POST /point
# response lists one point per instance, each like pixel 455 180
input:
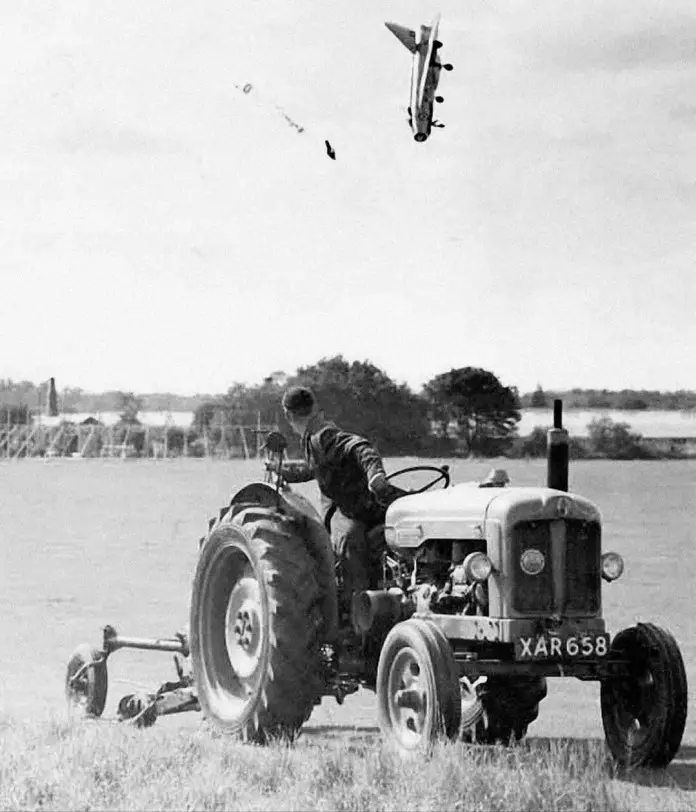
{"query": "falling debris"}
pixel 299 128
pixel 292 123
pixel 248 87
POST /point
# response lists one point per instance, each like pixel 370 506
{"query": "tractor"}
pixel 483 591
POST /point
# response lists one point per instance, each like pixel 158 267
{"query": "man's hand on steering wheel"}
pixel 383 491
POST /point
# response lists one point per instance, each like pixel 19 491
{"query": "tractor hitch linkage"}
pixel 113 641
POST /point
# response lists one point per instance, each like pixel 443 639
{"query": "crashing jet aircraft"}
pixel 425 74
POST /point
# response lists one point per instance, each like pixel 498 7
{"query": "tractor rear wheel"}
pixel 510 705
pixel 644 709
pixel 254 625
pixel 417 687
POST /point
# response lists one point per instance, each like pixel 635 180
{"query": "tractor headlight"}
pixel 477 567
pixel 532 561
pixel 612 566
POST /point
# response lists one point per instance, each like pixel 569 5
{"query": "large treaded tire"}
pixel 254 624
pixel 417 687
pixel 644 711
pixel 320 549
pixel 510 705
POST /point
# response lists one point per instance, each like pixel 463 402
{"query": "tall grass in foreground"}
pixel 56 765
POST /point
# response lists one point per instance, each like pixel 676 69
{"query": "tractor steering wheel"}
pixel 442 474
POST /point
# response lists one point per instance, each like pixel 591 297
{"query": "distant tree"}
pixel 128 406
pixel 579 448
pixel 362 398
pixel 248 405
pixel 14 415
pixel 483 410
pixel 19 393
pixel 137 439
pixel 204 414
pixel 240 400
pixel 538 399
pixel 177 439
pixel 599 400
pixel 71 397
pixel 684 400
pixel 534 445
pixel 614 440
pixel 630 401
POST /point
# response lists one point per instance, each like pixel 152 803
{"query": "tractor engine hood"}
pixel 461 512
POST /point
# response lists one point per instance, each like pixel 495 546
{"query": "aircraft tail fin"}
pixel 405 35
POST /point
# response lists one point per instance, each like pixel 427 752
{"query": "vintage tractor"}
pixel 484 591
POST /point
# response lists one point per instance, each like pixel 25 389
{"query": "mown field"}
pixel 89 542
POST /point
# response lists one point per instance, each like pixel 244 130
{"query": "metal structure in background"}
pixel 154 434
pixel 89 440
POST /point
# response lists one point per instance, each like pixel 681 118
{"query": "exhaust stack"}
pixel 557 448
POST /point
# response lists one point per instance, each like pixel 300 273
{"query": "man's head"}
pixel 299 405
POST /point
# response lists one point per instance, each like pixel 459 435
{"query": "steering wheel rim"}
pixel 443 473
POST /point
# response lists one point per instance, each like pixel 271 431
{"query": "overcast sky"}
pixel 162 230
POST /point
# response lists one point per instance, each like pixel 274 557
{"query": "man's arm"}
pixel 336 444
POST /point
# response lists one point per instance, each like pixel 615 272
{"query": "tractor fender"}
pixel 315 535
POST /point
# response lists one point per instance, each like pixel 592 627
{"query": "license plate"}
pixel 562 647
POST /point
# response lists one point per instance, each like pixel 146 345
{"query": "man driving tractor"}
pixel 354 488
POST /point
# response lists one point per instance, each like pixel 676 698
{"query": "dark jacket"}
pixel 342 463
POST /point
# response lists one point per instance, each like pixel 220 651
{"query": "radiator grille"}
pixel 583 567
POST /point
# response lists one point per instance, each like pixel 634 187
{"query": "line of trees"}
pixel 71 399
pixel 625 399
pixel 606 439
pixel 466 411
pixel 32 396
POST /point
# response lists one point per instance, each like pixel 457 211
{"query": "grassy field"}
pixel 96 766
pixel 89 542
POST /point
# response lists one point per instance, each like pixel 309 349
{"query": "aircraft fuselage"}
pixel 425 76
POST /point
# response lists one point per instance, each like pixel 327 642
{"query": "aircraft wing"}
pixel 405 35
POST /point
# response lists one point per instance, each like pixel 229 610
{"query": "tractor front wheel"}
pixel 255 627
pixel 417 688
pixel 644 708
